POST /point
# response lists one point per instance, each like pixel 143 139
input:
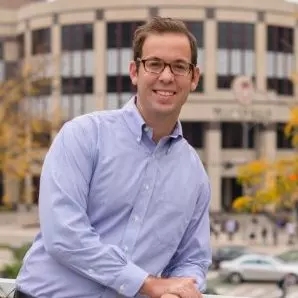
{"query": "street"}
pixel 248 289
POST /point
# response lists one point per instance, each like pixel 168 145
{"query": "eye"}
pixel 154 63
pixel 181 66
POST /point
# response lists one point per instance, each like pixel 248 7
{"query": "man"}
pixel 123 197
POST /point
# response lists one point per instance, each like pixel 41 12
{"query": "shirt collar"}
pixel 137 124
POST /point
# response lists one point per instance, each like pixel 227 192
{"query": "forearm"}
pixel 199 272
pixel 102 263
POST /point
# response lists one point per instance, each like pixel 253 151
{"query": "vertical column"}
pixel 11 183
pixel 28 187
pixel 210 42
pixel 100 55
pixel 268 142
pixel 56 108
pixel 153 12
pixel 258 141
pixel 261 53
pixel 212 156
pixel 268 149
pixel 295 70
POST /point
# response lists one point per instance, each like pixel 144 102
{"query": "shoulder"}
pixel 86 130
pixel 90 124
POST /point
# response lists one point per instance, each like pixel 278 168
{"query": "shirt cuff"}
pixel 130 280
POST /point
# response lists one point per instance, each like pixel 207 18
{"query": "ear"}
pixel 195 79
pixel 133 73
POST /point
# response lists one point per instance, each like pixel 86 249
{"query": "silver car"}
pixel 258 267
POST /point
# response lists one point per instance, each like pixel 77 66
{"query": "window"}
pixel 41 41
pixel 119 54
pixel 36 184
pixel 123 83
pixel 282 141
pixel 250 262
pixel 77 37
pixel 233 138
pixel 193 132
pixel 280 59
pixel 43 139
pixel 1 51
pixel 1 188
pixel 82 85
pixel 230 189
pixel 21 46
pixel 236 52
pixel 120 35
pixel 197 29
pixel 235 36
pixel 42 87
pixel 11 69
pixel 280 39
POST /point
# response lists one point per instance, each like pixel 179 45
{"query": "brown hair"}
pixel 159 25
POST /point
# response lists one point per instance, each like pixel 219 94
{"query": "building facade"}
pixel 89 46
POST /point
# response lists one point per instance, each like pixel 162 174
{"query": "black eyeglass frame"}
pixel 143 61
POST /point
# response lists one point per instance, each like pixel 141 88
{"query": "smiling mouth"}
pixel 164 93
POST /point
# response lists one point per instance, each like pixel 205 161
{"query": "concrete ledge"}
pixel 7 287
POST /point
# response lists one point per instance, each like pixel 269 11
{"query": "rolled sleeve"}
pixel 129 282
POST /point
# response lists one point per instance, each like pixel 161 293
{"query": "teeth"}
pixel 165 93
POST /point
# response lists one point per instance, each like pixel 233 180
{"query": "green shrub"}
pixel 12 270
pixel 19 252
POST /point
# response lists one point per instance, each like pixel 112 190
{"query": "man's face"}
pixel 165 93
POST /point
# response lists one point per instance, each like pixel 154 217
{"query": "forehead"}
pixel 167 46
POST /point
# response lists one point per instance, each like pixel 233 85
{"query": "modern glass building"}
pixel 89 46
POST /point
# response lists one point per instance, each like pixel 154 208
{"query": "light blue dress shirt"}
pixel 115 207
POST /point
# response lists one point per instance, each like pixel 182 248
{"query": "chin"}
pixel 165 109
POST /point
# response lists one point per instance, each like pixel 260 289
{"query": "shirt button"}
pixel 146 186
pixel 135 218
pixel 138 139
pixel 122 288
pixel 146 129
pixel 125 248
pixel 91 271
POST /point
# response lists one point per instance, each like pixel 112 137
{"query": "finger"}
pixel 168 295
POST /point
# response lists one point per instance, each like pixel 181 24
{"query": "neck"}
pixel 161 125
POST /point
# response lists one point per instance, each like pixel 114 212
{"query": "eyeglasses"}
pixel 157 66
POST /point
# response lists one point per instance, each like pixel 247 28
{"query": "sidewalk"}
pixel 257 246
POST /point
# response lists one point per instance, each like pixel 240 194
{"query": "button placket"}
pixel 139 210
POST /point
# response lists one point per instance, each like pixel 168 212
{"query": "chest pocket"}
pixel 173 216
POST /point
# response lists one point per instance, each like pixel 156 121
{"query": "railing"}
pixel 7 287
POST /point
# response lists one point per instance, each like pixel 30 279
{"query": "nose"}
pixel 167 75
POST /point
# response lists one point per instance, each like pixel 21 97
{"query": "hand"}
pixel 185 290
pixel 183 287
pixel 167 295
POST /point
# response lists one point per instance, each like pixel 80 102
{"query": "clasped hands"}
pixel 174 287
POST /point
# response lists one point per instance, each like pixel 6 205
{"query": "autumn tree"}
pixel 271 184
pixel 18 124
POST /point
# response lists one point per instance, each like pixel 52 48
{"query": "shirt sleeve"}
pixel 65 227
pixel 193 256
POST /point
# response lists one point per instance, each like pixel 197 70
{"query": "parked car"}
pixel 289 256
pixel 227 253
pixel 258 267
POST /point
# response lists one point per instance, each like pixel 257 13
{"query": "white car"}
pixel 258 267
